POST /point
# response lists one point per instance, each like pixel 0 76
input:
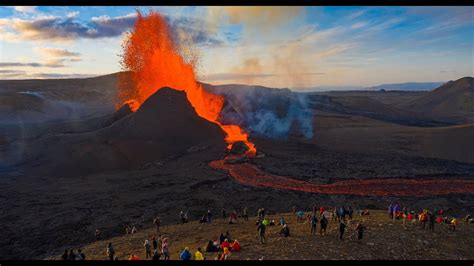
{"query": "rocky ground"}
pixel 383 239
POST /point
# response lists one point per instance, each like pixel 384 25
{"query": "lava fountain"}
pixel 154 61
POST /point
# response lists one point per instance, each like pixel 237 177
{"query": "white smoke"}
pixel 266 112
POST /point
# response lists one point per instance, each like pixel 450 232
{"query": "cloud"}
pixel 18 74
pixel 254 17
pixel 63 29
pixel 56 56
pixel 62 76
pixel 358 25
pixel 25 9
pixel 56 52
pixel 69 28
pixel 20 64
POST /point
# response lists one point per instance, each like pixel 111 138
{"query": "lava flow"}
pixel 152 58
pixel 248 174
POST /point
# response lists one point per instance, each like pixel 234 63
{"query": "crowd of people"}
pixel 426 216
pixel 157 248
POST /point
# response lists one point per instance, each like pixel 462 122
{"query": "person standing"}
pixel 360 231
pixel 165 250
pixel 261 230
pixel 350 211
pixel 110 251
pixel 81 255
pixel 147 249
pixel 246 214
pixel 72 255
pixel 432 221
pixel 324 224
pixel 155 244
pixel 209 216
pixel 65 255
pixel 223 213
pixel 157 223
pixel 390 211
pixel 342 228
pixel 98 234
pixel 313 222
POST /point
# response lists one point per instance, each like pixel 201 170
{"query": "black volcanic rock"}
pixel 239 148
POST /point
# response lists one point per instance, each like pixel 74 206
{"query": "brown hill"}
pixel 453 100
pixel 165 125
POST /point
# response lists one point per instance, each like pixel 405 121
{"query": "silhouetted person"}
pixel 72 256
pixel 110 251
pixel 209 216
pixel 98 234
pixel 156 255
pixel 223 213
pixel 350 211
pixel 432 221
pixel 360 231
pixel 314 222
pixel 155 244
pixel 324 225
pixel 81 254
pixel 245 214
pixel 157 223
pixel 65 255
pixel 342 228
pixel 261 230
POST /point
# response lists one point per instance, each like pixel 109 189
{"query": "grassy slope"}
pixel 383 239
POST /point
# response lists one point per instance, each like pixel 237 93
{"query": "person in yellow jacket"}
pixel 454 223
pixel 198 255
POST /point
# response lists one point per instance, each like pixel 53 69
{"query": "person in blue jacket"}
pixel 185 255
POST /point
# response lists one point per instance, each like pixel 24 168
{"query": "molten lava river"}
pixel 249 174
pixel 154 61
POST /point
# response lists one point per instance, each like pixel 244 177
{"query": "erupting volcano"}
pixel 154 60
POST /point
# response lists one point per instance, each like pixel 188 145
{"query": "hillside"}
pixel 159 129
pixel 39 101
pixel 383 239
pixel 454 100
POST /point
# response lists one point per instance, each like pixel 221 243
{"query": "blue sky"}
pixel 272 46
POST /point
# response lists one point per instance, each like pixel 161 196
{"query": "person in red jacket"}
pixel 225 244
pixel 235 247
pixel 439 220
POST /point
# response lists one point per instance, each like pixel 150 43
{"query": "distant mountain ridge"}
pixel 407 86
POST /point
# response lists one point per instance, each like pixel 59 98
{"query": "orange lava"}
pixel 248 174
pixel 155 62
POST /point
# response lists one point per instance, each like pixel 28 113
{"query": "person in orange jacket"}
pixel 225 255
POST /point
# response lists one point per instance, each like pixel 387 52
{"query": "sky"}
pixel 272 46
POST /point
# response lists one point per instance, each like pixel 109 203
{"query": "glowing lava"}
pixel 154 61
pixel 249 174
